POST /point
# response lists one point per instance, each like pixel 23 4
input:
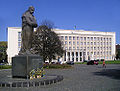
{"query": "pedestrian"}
pixel 104 65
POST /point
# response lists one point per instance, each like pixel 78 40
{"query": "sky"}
pixel 89 15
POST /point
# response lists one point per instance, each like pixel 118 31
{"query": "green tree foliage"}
pixel 47 43
pixel 118 55
pixel 3 54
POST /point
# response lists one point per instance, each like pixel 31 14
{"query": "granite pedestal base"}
pixel 23 64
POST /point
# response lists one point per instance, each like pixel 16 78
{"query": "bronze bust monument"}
pixel 28 25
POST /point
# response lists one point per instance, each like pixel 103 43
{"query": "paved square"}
pixel 80 78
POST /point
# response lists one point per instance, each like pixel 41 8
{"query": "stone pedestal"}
pixel 23 64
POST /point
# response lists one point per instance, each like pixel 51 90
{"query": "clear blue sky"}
pixel 95 15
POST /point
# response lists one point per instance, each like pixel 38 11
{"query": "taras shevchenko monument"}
pixel 23 63
pixel 28 25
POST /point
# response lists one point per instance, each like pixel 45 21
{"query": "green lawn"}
pixel 100 62
pixel 5 66
pixel 110 62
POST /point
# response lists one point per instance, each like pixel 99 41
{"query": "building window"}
pixel 73 38
pixel 87 48
pixel 84 43
pixel 87 53
pixel 94 53
pixel 110 39
pixel 77 38
pixel 91 48
pixel 19 36
pixel 84 38
pixel 65 42
pixel 98 43
pixel 73 47
pixel 87 43
pixel 69 47
pixel 88 38
pixel 73 43
pixel 69 42
pixel 81 38
pixel 19 44
pixel 104 39
pixel 69 37
pixel 65 37
pixel 91 43
pixel 94 38
pixel 98 48
pixel 94 43
pixel 91 38
pixel 97 53
pixel 94 48
pixel 62 37
pixel 77 42
pixel 98 38
pixel 81 43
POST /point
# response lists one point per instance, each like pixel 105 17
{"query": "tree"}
pixel 47 43
pixel 3 54
pixel 118 55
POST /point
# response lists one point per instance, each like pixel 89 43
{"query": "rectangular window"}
pixel 62 37
pixel 88 38
pixel 73 38
pixel 81 43
pixel 87 43
pixel 84 38
pixel 19 36
pixel 84 43
pixel 77 38
pixel 94 43
pixel 73 43
pixel 69 37
pixel 94 38
pixel 81 38
pixel 91 43
pixel 65 37
pixel 69 42
pixel 65 42
pixel 91 38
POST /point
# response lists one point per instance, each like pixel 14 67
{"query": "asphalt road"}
pixel 80 78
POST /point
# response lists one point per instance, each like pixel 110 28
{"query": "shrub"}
pixel 5 66
pixel 56 66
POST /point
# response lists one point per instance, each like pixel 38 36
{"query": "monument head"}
pixel 31 9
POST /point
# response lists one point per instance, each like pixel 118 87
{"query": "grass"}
pixel 80 62
pixel 57 66
pixel 101 62
pixel 110 62
pixel 5 66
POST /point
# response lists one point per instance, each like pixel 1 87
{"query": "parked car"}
pixel 92 62
pixel 70 62
pixel 96 62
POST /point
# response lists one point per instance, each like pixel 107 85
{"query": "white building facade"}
pixel 80 45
